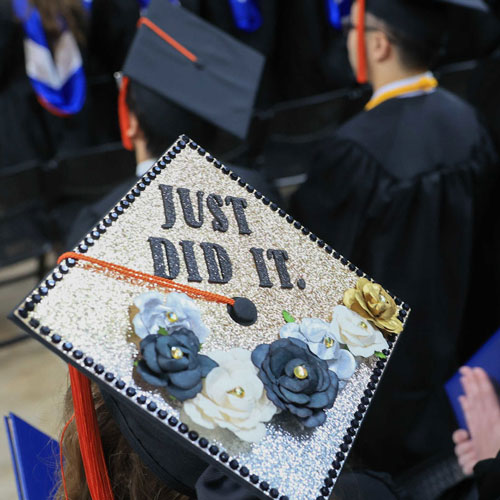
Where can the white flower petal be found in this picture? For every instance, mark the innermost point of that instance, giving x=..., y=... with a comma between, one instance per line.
x=344, y=366
x=291, y=330
x=314, y=330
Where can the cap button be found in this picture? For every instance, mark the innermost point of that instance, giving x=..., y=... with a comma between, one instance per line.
x=243, y=311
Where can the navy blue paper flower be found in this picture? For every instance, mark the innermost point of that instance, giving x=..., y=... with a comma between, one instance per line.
x=296, y=380
x=173, y=362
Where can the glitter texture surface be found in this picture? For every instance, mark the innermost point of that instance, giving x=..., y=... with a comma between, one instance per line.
x=90, y=309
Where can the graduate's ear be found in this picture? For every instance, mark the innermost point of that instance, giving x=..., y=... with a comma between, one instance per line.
x=380, y=46
x=134, y=130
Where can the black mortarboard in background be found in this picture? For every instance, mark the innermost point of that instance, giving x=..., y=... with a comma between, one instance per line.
x=420, y=20
x=202, y=69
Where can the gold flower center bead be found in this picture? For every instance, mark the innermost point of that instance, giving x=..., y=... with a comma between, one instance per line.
x=383, y=299
x=300, y=372
x=363, y=325
x=176, y=353
x=239, y=392
x=172, y=317
x=328, y=341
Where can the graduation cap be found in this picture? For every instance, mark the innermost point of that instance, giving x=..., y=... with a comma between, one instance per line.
x=418, y=20
x=220, y=330
x=194, y=64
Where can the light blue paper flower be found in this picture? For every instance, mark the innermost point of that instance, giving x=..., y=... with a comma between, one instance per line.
x=171, y=312
x=320, y=337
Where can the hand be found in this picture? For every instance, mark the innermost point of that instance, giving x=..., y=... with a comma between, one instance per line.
x=482, y=413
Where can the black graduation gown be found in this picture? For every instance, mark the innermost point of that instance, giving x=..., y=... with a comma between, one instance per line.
x=487, y=475
x=398, y=190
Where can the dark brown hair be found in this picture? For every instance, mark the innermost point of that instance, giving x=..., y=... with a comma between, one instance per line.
x=130, y=479
x=51, y=12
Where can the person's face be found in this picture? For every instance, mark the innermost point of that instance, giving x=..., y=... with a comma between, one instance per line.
x=352, y=39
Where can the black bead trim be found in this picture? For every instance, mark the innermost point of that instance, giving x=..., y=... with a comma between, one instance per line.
x=67, y=346
x=250, y=188
x=44, y=330
x=83, y=248
x=183, y=428
x=203, y=442
x=193, y=145
x=213, y=450
x=242, y=183
x=141, y=399
x=305, y=231
x=274, y=493
x=351, y=431
x=63, y=268
x=156, y=170
x=172, y=421
x=254, y=478
x=225, y=170
x=56, y=338
x=297, y=224
x=344, y=447
x=57, y=276
x=266, y=201
x=77, y=354
x=244, y=471
x=29, y=305
x=88, y=361
x=233, y=176
x=210, y=158
x=313, y=237
x=99, y=369
x=36, y=298
x=336, y=465
x=192, y=435
x=177, y=149
x=109, y=376
x=281, y=212
x=258, y=195
x=324, y=490
x=152, y=406
x=151, y=175
x=332, y=473
x=284, y=497
x=107, y=221
x=120, y=384
x=23, y=313
x=264, y=485
x=234, y=464
x=130, y=392
x=43, y=290
x=224, y=457
x=50, y=283
x=34, y=323
x=136, y=192
x=162, y=414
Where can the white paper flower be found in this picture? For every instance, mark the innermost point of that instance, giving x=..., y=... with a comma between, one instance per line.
x=319, y=336
x=233, y=397
x=171, y=312
x=357, y=333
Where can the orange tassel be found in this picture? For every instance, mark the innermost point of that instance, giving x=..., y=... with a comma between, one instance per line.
x=89, y=437
x=362, y=76
x=123, y=114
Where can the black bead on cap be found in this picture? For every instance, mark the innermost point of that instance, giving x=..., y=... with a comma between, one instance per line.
x=243, y=311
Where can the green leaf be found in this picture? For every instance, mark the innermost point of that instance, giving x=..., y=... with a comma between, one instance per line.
x=172, y=398
x=380, y=355
x=136, y=363
x=162, y=331
x=288, y=317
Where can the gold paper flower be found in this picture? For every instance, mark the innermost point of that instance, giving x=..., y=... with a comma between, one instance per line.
x=372, y=302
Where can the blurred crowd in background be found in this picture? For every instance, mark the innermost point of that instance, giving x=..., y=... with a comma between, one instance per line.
x=62, y=163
